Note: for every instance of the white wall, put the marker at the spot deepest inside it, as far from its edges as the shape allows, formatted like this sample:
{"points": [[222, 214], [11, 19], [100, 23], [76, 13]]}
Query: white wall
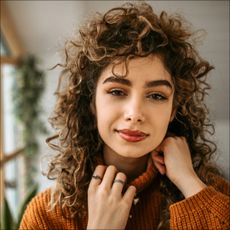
{"points": [[222, 140]]}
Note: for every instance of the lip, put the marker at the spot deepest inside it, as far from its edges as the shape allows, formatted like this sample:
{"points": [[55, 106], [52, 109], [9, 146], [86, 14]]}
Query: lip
{"points": [[132, 135]]}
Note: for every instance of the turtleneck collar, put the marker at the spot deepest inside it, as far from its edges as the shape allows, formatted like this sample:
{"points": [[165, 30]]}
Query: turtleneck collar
{"points": [[145, 179], [142, 181]]}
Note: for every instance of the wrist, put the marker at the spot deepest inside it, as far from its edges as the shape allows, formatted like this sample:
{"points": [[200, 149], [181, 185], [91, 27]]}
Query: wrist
{"points": [[191, 185]]}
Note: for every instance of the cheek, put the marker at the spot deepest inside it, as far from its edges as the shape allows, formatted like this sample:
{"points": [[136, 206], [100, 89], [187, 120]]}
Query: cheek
{"points": [[161, 121], [104, 106], [103, 112]]}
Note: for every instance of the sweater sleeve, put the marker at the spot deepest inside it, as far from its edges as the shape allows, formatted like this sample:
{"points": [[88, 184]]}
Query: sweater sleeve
{"points": [[208, 209]]}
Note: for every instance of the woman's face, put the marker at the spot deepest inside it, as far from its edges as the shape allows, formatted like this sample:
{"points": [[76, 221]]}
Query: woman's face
{"points": [[133, 112]]}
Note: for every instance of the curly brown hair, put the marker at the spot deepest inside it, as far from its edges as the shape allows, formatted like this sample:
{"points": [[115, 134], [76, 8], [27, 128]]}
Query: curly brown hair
{"points": [[133, 30]]}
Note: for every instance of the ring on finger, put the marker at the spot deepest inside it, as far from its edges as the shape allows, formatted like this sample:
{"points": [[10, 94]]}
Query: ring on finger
{"points": [[96, 177], [119, 181]]}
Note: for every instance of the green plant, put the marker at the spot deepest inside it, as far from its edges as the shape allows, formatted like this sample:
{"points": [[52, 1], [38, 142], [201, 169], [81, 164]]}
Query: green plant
{"points": [[7, 217], [27, 92], [7, 220]]}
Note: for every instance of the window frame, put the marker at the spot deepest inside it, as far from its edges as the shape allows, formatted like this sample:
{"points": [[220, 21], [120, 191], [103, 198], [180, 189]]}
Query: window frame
{"points": [[16, 52]]}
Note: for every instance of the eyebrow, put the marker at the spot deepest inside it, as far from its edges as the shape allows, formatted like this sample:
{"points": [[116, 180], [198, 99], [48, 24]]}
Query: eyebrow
{"points": [[148, 84]]}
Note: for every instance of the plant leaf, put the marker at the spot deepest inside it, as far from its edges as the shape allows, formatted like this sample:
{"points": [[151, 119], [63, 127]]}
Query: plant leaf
{"points": [[31, 193], [7, 221]]}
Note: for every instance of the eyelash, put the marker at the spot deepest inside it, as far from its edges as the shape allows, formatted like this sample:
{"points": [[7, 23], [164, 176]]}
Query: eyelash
{"points": [[117, 92], [152, 96], [157, 97]]}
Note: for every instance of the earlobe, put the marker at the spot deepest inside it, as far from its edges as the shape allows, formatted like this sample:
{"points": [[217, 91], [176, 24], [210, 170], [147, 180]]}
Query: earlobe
{"points": [[173, 114], [94, 114], [93, 108]]}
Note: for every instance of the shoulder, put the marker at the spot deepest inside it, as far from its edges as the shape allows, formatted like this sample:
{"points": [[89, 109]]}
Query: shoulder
{"points": [[40, 215], [211, 175], [41, 200], [219, 183], [37, 211]]}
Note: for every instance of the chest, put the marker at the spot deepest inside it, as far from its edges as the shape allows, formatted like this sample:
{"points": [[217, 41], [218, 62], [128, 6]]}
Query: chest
{"points": [[145, 212]]}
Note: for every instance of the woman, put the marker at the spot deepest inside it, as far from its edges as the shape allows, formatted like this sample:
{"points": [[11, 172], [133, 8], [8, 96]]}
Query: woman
{"points": [[131, 142]]}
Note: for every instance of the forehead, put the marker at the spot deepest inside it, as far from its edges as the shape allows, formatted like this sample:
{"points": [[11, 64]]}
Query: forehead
{"points": [[145, 68]]}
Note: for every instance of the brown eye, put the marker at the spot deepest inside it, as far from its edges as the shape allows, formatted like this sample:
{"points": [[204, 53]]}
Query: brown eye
{"points": [[116, 92], [157, 97]]}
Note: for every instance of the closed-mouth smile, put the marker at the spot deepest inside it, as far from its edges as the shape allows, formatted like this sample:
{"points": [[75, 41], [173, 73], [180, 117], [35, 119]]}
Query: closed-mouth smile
{"points": [[132, 135]]}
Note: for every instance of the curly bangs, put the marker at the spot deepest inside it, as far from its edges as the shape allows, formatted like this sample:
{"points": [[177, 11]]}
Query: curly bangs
{"points": [[130, 31]]}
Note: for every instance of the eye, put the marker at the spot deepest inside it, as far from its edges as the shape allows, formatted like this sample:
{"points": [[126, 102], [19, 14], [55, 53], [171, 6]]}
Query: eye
{"points": [[157, 97], [117, 92]]}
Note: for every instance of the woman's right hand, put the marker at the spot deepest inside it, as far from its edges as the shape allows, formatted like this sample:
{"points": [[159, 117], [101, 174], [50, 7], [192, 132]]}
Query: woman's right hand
{"points": [[108, 207]]}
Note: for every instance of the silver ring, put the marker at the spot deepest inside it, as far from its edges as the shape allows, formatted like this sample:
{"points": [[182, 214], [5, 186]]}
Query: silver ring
{"points": [[119, 181], [96, 177]]}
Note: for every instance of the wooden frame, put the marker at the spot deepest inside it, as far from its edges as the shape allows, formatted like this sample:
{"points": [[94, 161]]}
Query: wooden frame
{"points": [[10, 156], [1, 145], [17, 51], [9, 32], [8, 60]]}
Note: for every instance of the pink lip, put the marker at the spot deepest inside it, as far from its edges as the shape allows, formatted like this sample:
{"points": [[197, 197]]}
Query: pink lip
{"points": [[132, 135]]}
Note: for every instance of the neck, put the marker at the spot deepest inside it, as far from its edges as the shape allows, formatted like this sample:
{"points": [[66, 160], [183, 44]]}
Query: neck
{"points": [[132, 167]]}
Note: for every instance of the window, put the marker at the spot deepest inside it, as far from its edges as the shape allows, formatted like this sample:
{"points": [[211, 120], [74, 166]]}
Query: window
{"points": [[10, 142], [10, 149]]}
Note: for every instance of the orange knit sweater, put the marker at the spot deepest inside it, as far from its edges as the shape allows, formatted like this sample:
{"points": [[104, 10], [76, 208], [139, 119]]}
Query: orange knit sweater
{"points": [[209, 209]]}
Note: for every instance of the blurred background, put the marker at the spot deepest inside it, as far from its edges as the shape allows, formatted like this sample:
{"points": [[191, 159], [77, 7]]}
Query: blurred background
{"points": [[32, 35]]}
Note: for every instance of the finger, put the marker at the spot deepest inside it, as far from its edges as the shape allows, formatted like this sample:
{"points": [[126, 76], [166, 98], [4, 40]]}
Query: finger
{"points": [[157, 152], [161, 168], [129, 195], [158, 149], [118, 183], [97, 176], [109, 176], [158, 158]]}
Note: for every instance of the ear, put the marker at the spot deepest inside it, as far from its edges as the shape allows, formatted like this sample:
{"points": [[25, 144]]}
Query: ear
{"points": [[93, 106], [173, 114]]}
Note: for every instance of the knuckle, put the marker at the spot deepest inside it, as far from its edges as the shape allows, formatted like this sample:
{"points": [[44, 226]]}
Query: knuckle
{"points": [[171, 140], [121, 175], [103, 192], [100, 167], [112, 168]]}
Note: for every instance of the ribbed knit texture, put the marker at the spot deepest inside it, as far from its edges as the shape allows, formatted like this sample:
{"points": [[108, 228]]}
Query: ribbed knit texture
{"points": [[209, 209]]}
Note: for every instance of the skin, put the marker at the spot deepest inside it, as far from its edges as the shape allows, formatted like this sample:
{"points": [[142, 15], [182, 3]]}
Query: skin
{"points": [[144, 102], [132, 103]]}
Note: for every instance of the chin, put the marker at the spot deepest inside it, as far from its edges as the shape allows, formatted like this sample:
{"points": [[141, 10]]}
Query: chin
{"points": [[132, 154]]}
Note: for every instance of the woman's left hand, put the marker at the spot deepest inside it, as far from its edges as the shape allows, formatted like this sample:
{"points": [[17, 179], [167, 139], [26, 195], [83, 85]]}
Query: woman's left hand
{"points": [[172, 157]]}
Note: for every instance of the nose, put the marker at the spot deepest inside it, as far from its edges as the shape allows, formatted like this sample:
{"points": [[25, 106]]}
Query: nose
{"points": [[134, 111]]}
